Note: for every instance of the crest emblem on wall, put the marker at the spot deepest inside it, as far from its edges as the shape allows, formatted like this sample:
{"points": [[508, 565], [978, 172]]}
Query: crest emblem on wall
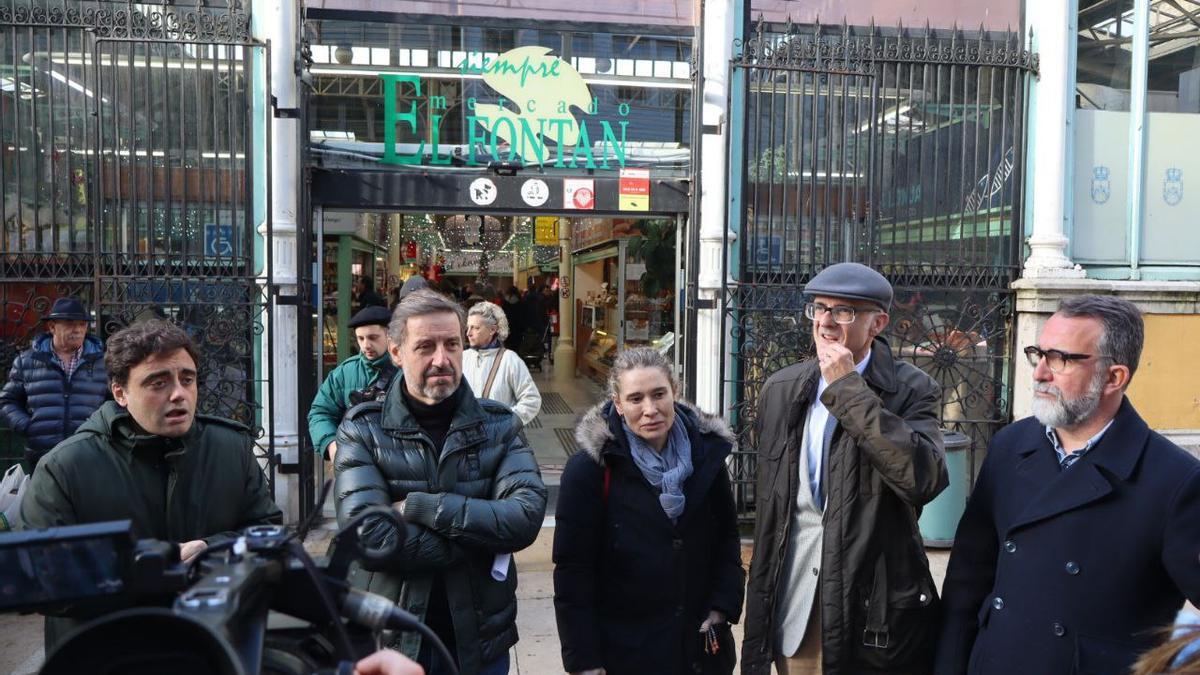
{"points": [[1173, 187], [1101, 188]]}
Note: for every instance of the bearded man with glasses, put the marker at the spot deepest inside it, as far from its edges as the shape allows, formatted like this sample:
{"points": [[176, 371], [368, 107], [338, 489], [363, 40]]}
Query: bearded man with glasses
{"points": [[1081, 537], [848, 451]]}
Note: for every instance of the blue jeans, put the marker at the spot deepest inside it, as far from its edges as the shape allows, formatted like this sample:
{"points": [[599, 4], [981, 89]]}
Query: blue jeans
{"points": [[434, 665]]}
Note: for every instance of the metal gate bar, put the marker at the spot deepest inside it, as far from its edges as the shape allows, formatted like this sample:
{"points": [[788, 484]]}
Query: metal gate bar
{"points": [[899, 151], [126, 180]]}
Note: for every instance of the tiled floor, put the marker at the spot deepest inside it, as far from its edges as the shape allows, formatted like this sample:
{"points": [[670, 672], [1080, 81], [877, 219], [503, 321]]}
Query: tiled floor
{"points": [[552, 437]]}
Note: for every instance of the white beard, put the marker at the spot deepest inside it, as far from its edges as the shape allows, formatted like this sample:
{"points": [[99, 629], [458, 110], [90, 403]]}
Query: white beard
{"points": [[1060, 413]]}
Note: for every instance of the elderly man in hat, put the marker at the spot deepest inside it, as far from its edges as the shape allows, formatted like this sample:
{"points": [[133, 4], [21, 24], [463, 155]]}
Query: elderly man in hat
{"points": [[56, 384], [359, 378], [849, 451]]}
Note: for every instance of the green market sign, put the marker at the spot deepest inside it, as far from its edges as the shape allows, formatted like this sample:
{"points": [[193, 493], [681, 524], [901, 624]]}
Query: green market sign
{"points": [[552, 124]]}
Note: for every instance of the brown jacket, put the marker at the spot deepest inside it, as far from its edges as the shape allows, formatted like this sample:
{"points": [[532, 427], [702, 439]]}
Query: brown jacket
{"points": [[877, 599]]}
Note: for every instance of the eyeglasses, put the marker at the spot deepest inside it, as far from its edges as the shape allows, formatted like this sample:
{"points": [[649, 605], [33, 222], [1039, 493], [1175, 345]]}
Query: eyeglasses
{"points": [[1056, 359], [842, 314]]}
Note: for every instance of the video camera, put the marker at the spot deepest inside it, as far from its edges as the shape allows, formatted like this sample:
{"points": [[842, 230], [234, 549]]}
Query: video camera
{"points": [[156, 614]]}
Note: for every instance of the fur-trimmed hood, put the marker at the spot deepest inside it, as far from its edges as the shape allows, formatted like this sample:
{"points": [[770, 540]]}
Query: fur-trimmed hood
{"points": [[594, 432]]}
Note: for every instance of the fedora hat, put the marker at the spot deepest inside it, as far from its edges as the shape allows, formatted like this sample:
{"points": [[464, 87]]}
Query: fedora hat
{"points": [[67, 309]]}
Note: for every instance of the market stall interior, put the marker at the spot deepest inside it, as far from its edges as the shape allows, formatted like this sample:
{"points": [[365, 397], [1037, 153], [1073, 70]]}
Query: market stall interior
{"points": [[622, 288]]}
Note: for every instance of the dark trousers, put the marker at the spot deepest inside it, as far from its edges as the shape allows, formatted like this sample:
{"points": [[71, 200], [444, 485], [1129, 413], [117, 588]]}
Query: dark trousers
{"points": [[434, 665]]}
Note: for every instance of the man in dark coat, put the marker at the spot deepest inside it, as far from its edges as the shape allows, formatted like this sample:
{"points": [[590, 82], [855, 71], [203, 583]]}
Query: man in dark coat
{"points": [[459, 471], [365, 294], [1082, 536], [57, 383], [848, 452], [148, 457]]}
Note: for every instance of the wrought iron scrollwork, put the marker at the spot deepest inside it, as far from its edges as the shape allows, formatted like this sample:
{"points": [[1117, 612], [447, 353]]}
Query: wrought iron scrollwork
{"points": [[127, 20], [895, 148], [816, 47], [132, 238]]}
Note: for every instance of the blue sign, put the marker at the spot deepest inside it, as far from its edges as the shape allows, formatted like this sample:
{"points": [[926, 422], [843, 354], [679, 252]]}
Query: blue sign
{"points": [[218, 239], [768, 250]]}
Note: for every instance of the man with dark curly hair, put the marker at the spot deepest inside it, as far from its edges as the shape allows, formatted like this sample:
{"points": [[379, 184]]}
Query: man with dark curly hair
{"points": [[149, 457]]}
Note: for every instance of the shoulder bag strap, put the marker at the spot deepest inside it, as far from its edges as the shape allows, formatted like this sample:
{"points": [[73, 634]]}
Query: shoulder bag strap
{"points": [[487, 387]]}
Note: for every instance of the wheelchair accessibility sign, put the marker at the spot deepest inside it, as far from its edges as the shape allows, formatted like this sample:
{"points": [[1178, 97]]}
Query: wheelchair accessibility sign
{"points": [[218, 239]]}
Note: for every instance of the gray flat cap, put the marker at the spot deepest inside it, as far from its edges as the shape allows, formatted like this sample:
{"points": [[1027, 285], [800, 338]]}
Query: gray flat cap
{"points": [[854, 281], [414, 283]]}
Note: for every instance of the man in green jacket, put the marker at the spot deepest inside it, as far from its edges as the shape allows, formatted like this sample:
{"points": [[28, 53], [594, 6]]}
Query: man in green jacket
{"points": [[149, 458], [355, 374]]}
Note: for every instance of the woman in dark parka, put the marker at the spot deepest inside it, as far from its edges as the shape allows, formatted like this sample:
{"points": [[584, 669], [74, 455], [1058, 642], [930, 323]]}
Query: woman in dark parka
{"points": [[647, 564]]}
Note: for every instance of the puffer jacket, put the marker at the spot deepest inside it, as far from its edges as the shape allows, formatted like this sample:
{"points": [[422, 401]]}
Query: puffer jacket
{"points": [[513, 386], [877, 600], [483, 495], [40, 402], [631, 587]]}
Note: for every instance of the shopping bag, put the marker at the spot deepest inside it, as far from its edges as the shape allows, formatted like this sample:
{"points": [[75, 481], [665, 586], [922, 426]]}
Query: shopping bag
{"points": [[12, 489]]}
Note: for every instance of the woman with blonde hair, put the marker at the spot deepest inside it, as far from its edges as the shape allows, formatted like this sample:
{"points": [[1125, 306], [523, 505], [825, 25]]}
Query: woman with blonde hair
{"points": [[493, 371], [1179, 655], [647, 560]]}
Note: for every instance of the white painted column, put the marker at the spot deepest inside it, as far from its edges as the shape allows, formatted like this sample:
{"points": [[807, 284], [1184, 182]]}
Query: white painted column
{"points": [[1052, 27], [278, 23], [564, 351], [717, 22]]}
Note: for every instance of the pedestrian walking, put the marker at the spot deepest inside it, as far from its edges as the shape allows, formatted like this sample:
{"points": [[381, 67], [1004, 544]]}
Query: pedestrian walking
{"points": [[364, 294], [647, 564], [1082, 534], [492, 370], [848, 451], [56, 384], [516, 318]]}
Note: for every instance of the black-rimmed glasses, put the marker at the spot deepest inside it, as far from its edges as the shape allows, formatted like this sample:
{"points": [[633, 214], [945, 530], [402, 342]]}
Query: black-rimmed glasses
{"points": [[1056, 359], [842, 314]]}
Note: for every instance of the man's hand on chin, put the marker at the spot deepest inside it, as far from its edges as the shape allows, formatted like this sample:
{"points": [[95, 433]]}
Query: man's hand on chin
{"points": [[835, 359]]}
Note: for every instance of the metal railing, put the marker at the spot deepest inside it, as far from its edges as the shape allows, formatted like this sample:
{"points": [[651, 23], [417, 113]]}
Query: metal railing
{"points": [[128, 133], [900, 151]]}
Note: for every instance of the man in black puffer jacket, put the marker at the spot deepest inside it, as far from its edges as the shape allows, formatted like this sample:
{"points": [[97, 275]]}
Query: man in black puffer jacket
{"points": [[459, 470], [55, 385]]}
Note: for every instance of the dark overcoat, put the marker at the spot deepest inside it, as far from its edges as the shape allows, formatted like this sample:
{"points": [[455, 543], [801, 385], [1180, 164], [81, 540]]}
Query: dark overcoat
{"points": [[631, 588], [1075, 570]]}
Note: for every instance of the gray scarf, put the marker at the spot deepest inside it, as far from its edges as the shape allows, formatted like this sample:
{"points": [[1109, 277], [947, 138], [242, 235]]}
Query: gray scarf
{"points": [[666, 470]]}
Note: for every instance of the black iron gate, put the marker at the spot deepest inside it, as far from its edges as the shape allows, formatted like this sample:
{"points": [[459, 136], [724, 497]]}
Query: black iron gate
{"points": [[900, 151], [132, 149]]}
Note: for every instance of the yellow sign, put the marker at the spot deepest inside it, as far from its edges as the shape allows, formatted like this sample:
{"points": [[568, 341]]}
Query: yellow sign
{"points": [[545, 231], [633, 203], [634, 190]]}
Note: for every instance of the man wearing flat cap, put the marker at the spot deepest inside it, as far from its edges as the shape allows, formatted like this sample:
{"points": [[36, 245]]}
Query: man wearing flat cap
{"points": [[56, 384], [849, 451], [353, 379]]}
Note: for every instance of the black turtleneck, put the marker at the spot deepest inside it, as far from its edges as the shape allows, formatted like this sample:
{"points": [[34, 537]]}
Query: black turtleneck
{"points": [[434, 419]]}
